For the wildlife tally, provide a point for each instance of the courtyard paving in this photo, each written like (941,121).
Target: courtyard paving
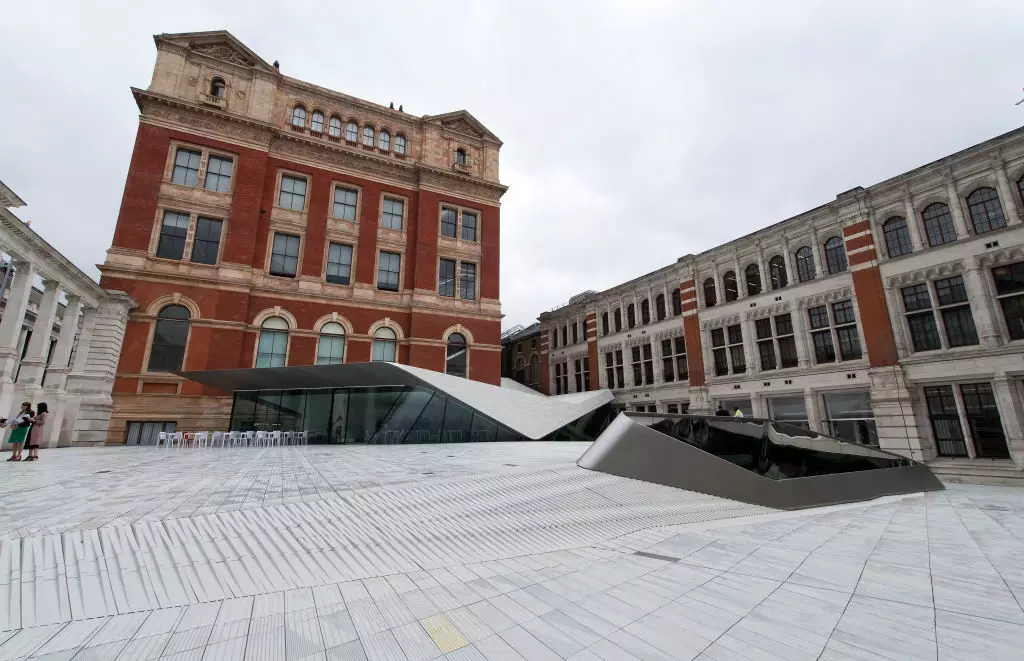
(482,552)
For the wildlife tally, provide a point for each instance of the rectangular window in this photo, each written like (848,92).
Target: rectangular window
(578,364)
(983,420)
(638,368)
(949,435)
(392,214)
(924,335)
(207,241)
(388,268)
(339,264)
(790,410)
(468,226)
(449,222)
(849,416)
(609,369)
(673,359)
(582,374)
(345,200)
(648,354)
(719,352)
(824,350)
(218,174)
(955,311)
(1009,282)
(786,340)
(186,167)
(293,193)
(172,235)
(818,317)
(467,281)
(846,330)
(284,259)
(736,356)
(620,369)
(446,281)
(765,344)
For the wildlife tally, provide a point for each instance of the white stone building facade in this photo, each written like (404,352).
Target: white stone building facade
(74,374)
(893,315)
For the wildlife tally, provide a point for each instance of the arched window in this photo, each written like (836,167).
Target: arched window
(897,237)
(986,211)
(460,157)
(351,131)
(604,323)
(618,319)
(316,122)
(399,144)
(835,255)
(710,299)
(217,88)
(938,224)
(385,346)
(677,302)
(455,357)
(534,376)
(334,127)
(732,292)
(384,140)
(777,272)
(1020,188)
(299,116)
(631,315)
(805,264)
(519,373)
(272,349)
(659,306)
(167,352)
(331,348)
(368,136)
(753,275)
(645,311)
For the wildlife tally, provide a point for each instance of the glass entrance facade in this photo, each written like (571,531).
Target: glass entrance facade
(386,415)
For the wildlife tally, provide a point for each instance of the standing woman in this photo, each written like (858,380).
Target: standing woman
(36,431)
(20,425)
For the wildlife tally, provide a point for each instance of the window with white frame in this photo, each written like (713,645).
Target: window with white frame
(643,365)
(385,346)
(351,131)
(334,127)
(389,267)
(339,264)
(384,141)
(368,134)
(330,349)
(293,193)
(392,213)
(400,144)
(614,369)
(218,174)
(1009,283)
(299,117)
(316,123)
(953,308)
(345,203)
(673,360)
(272,348)
(173,231)
(186,167)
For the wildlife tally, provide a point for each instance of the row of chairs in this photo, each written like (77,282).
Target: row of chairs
(232,439)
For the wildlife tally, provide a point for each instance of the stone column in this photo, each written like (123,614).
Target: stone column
(1006,194)
(811,406)
(982,304)
(748,346)
(892,297)
(956,208)
(894,405)
(10,331)
(74,378)
(819,271)
(913,222)
(30,378)
(766,280)
(803,354)
(741,289)
(57,372)
(1008,398)
(787,259)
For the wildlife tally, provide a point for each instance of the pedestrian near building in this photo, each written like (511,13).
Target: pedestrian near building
(36,431)
(20,426)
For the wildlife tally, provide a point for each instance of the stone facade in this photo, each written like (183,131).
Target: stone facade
(214,99)
(520,356)
(61,353)
(888,316)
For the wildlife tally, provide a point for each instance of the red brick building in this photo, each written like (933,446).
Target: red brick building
(267,221)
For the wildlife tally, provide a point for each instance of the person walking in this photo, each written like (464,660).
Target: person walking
(20,426)
(36,431)
(736,412)
(721,411)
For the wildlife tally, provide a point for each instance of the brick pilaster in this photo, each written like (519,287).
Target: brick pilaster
(590,328)
(545,361)
(691,331)
(867,284)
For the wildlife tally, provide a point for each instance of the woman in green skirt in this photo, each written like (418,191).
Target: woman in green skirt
(20,424)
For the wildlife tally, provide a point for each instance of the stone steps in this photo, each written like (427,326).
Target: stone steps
(997,472)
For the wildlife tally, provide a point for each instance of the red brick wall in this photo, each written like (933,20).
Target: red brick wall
(590,329)
(871,305)
(545,360)
(691,334)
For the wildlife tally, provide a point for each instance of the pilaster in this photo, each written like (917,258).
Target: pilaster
(33,366)
(10,331)
(1011,412)
(893,405)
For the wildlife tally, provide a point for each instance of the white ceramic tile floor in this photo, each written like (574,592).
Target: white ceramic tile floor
(481,553)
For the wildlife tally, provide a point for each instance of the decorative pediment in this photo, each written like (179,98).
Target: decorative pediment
(224,52)
(462,122)
(216,44)
(926,274)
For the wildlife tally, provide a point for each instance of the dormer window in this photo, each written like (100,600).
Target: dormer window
(460,158)
(217,88)
(299,117)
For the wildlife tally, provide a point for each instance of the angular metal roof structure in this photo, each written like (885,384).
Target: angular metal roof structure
(530,414)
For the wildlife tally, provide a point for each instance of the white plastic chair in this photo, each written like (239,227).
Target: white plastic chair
(201,439)
(302,438)
(218,437)
(179,438)
(261,439)
(249,439)
(161,438)
(275,439)
(287,438)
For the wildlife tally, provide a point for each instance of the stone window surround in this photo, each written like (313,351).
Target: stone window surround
(343,240)
(281,228)
(935,309)
(457,328)
(277,209)
(380,215)
(402,264)
(193,220)
(1005,416)
(464,244)
(257,325)
(336,184)
(152,310)
(204,160)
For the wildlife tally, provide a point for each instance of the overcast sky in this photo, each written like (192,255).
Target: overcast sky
(635,131)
